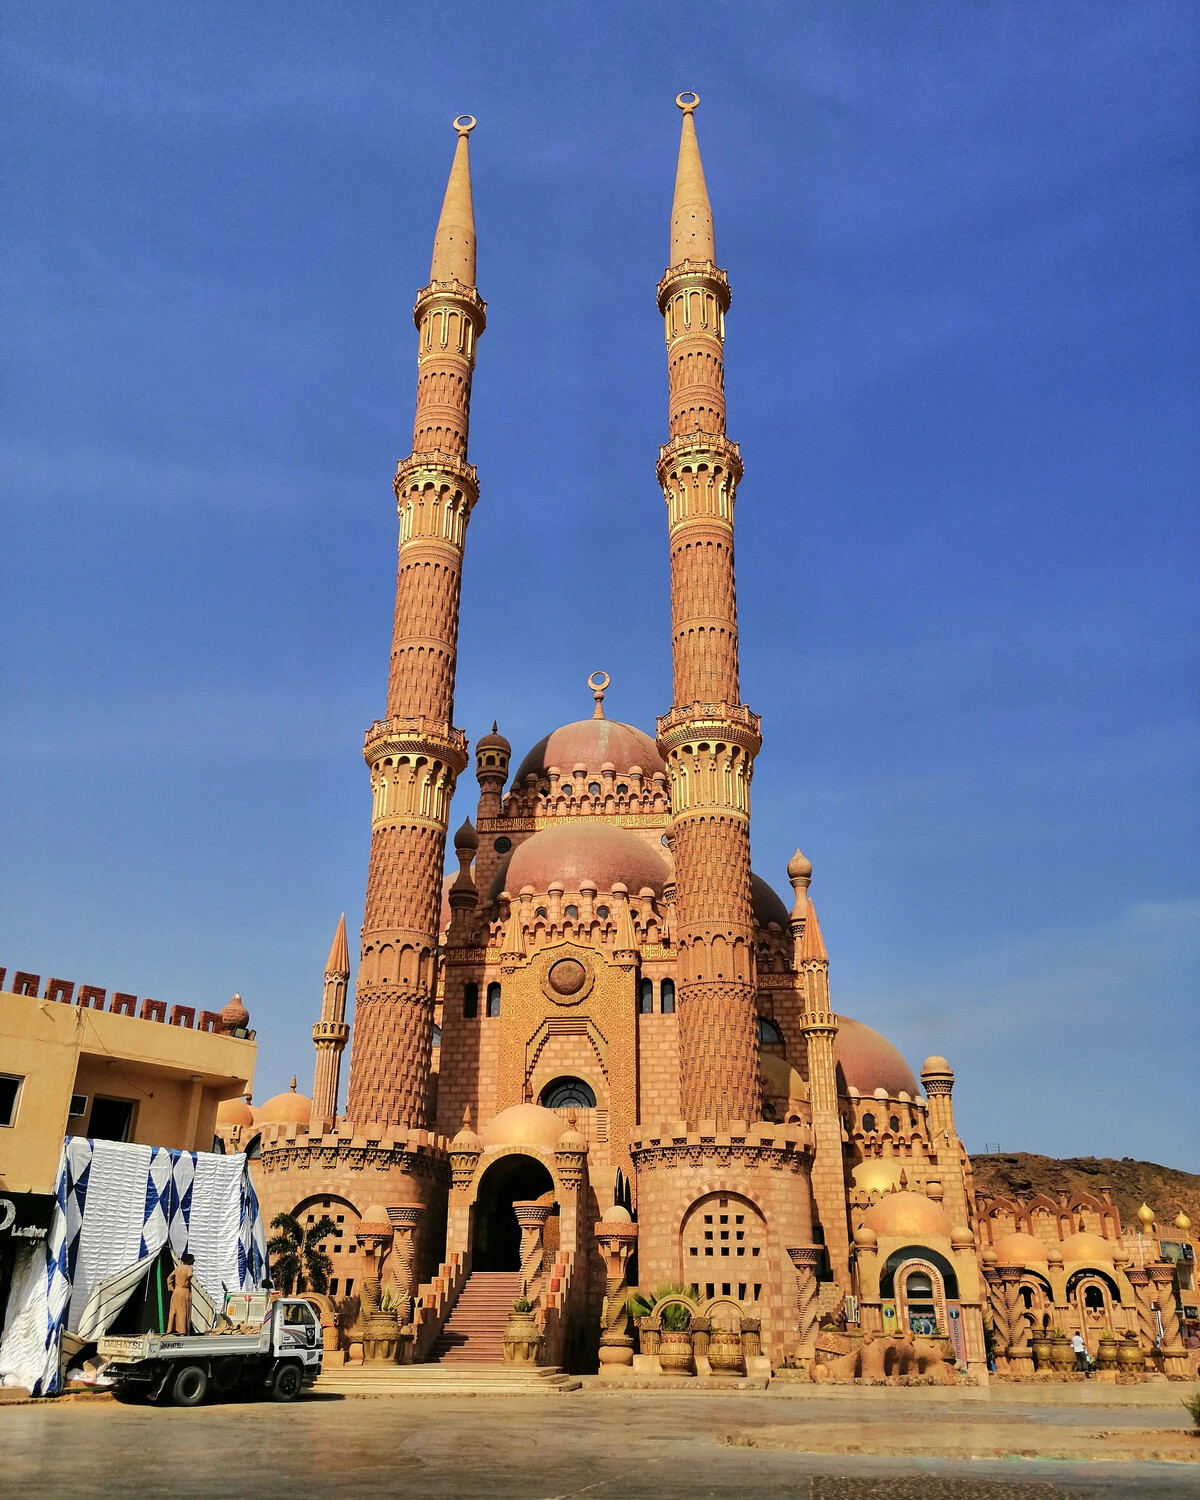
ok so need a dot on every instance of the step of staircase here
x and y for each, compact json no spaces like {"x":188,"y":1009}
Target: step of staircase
{"x":382,"y":1379}
{"x":474,"y":1332}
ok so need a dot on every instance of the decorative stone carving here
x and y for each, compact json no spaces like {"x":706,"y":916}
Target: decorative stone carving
{"x":616,"y":1236}
{"x":806,"y":1259}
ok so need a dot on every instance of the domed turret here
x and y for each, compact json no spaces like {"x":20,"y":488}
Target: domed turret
{"x":285,"y":1109}
{"x":523,"y":1125}
{"x":574,"y":852}
{"x":868,"y":1061}
{"x":235,"y":1112}
{"x":235,"y":1016}
{"x":590,"y":743}
{"x":908,"y":1214}
{"x":1083,"y":1246}
{"x":1020,"y":1250}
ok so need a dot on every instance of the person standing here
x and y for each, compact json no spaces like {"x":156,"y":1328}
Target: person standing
{"x":179,"y":1284}
{"x":1082,"y":1362}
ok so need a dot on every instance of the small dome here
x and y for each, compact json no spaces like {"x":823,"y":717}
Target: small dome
{"x":592,"y":742}
{"x":937,"y":1066}
{"x":1084,"y":1246}
{"x":617,"y":1214}
{"x":768,"y":907}
{"x":466,"y":837}
{"x":878,"y":1174}
{"x":1145,"y":1216}
{"x":374,"y":1220}
{"x":961,"y":1237}
{"x":869,"y":1061}
{"x":234,"y":1014}
{"x":864,"y":1238}
{"x":466,"y":1139}
{"x":1182,"y":1221}
{"x":570,"y":1140}
{"x":1020,"y":1250}
{"x":799,"y":868}
{"x":285,"y":1109}
{"x":575,"y":852}
{"x":909,"y":1214}
{"x":523,"y":1125}
{"x":493,"y":741}
{"x":234,"y":1112}
{"x":780,"y":1078}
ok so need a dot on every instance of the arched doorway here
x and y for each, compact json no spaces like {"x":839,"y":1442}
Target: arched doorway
{"x":496,"y":1243}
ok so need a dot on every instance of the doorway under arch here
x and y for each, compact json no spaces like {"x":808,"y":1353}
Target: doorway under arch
{"x":513,"y":1179}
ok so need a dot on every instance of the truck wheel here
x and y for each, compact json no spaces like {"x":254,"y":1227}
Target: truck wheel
{"x":287,"y":1383}
{"x":190,"y":1386}
{"x":225,"y":1373}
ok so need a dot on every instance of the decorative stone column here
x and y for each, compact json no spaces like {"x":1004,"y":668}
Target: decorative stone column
{"x":374,"y":1235}
{"x":1139,"y":1278}
{"x":806,"y":1259}
{"x":616,"y":1236}
{"x":404,"y":1218}
{"x":1020,"y":1359}
{"x":531,"y":1216}
{"x":1162,"y":1277}
{"x":999,"y":1311}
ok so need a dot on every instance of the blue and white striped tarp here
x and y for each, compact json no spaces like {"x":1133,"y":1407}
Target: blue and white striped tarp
{"x":116,"y":1205}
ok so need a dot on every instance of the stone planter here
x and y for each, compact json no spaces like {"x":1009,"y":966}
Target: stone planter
{"x":521,"y":1339}
{"x":1062,"y":1357}
{"x":675,"y":1353}
{"x":1130,"y":1360}
{"x":700,"y":1330}
{"x":1040,"y":1348}
{"x":725,"y":1352}
{"x":617,"y":1352}
{"x":1106,"y":1354}
{"x":751,"y":1338}
{"x":648,"y":1334}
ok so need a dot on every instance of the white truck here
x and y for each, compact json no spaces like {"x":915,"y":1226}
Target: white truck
{"x":281,"y":1359}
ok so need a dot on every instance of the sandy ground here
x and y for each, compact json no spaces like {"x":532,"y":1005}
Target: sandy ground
{"x":601,"y":1445}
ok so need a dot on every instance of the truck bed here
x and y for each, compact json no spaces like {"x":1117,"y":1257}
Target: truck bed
{"x":174,"y":1346}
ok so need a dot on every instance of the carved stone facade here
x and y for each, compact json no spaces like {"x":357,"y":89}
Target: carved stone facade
{"x":642,"y":1033}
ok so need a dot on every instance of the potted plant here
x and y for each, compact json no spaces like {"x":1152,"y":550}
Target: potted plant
{"x":1130,"y":1360}
{"x":1106,"y":1352}
{"x":664,"y":1321}
{"x":1040,"y":1348}
{"x":1062,"y":1356}
{"x":521,"y":1336}
{"x":675,"y":1341}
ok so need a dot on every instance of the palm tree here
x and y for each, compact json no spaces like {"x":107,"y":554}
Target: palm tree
{"x":297,"y":1260}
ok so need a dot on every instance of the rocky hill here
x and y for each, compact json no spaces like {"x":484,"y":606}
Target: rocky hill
{"x":1130,"y":1183}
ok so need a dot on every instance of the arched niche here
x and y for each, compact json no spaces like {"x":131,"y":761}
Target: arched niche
{"x":514,"y":1177}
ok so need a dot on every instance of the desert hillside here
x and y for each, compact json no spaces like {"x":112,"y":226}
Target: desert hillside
{"x":1131,"y":1183}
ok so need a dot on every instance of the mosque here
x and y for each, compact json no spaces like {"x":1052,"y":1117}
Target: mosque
{"x":604,"y":1053}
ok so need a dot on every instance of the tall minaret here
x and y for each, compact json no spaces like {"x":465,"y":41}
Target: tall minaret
{"x":331,"y":1032}
{"x":416,"y":754}
{"x":709,"y":739}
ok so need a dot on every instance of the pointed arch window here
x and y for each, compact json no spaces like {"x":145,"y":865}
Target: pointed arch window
{"x":666,"y":997}
{"x":493,"y":999}
{"x":470,"y":1000}
{"x":646,"y":997}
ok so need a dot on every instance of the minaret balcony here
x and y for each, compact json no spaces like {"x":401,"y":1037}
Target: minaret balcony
{"x":694,"y":275}
{"x":416,"y":736}
{"x":726,"y":722}
{"x":440,"y":293}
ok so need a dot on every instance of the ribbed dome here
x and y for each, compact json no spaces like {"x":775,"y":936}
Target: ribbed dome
{"x":907,"y":1214}
{"x":523,"y":1125}
{"x":582,"y":851}
{"x":869,"y":1061}
{"x":1020,"y":1250}
{"x":592,"y":742}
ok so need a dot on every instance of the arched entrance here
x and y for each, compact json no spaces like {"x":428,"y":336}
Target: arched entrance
{"x":496,"y":1244}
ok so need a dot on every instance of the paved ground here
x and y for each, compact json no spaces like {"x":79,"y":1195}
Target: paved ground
{"x":593,"y":1445}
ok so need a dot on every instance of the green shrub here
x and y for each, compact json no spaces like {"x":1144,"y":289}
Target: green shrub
{"x":1192,"y":1406}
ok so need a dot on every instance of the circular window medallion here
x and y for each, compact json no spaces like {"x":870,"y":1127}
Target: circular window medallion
{"x":502,"y":845}
{"x":567,"y":976}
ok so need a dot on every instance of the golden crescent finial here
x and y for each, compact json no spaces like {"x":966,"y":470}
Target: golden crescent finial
{"x":688,"y":100}
{"x":598,"y":692}
{"x":464,"y":124}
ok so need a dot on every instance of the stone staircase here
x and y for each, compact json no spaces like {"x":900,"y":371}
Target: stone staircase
{"x":474,"y":1331}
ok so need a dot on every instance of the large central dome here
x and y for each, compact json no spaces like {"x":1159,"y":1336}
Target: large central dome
{"x":582,"y":851}
{"x":592,"y":743}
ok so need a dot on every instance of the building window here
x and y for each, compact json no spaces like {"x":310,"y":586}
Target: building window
{"x":593,"y":788}
{"x":768,"y":1031}
{"x":666,"y":997}
{"x":622,"y":790}
{"x":502,"y":845}
{"x":646,"y":997}
{"x":111,"y":1119}
{"x":218,"y":1146}
{"x":78,"y":1106}
{"x":894,"y":1122}
{"x":254,"y":1148}
{"x":470,"y":1001}
{"x":572,"y":912}
{"x":437,"y":1035}
{"x":493,"y":999}
{"x":602,"y":913}
{"x":10,"y":1091}
{"x":568,"y":1093}
{"x":868,"y":1122}
{"x":541,"y":912}
{"x":567,"y":789}
{"x":919,"y":1302}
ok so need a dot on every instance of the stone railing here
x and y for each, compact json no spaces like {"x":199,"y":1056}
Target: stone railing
{"x":552,"y":1312}
{"x":709,"y":713}
{"x":415,"y":729}
{"x":93,"y":997}
{"x":435,"y":1302}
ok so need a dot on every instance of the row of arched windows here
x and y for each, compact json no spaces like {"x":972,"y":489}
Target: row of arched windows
{"x":471,"y":1000}
{"x":666,"y":997}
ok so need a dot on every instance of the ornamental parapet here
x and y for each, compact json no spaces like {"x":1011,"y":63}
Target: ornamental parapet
{"x":337,"y":1032}
{"x":418,"y":1153}
{"x":439,"y":292}
{"x":731,"y":723}
{"x":813,"y":1021}
{"x":438,"y":465}
{"x":692,"y":449}
{"x":689,"y":275}
{"x":416,"y":736}
{"x":677,"y":1143}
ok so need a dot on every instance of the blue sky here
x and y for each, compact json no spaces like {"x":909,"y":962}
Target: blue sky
{"x":962,"y":367}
